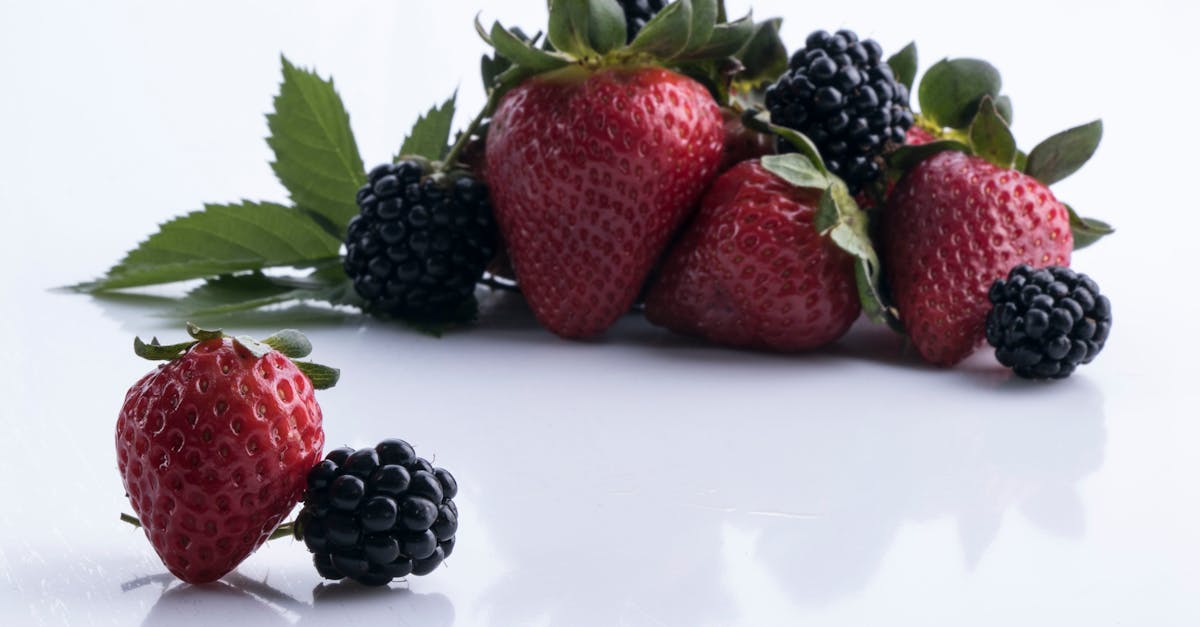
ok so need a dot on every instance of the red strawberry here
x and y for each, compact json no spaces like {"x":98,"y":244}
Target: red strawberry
{"x":954,"y":224}
{"x":591,"y":172}
{"x":917,"y":136}
{"x":214,"y":447}
{"x":751,"y":269}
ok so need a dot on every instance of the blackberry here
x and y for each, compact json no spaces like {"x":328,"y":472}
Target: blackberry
{"x":420,"y":242}
{"x":638,"y":12}
{"x":377,"y":514}
{"x":1045,"y":323}
{"x":840,"y":92}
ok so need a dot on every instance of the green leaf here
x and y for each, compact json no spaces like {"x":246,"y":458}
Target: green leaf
{"x":906,"y":157}
{"x":430,"y":136}
{"x":704,"y":20}
{"x":290,"y":342}
{"x":764,"y":57}
{"x":1005,"y":108}
{"x":951,"y":90}
{"x":1063,"y":154}
{"x":222,"y":239}
{"x":726,"y":40}
{"x":990,"y":137}
{"x":796,"y":169}
{"x":157,"y":352}
{"x":904,"y":65}
{"x":316,"y":157}
{"x":256,"y":348}
{"x":229,"y":294}
{"x":667,"y":33}
{"x":322,"y":377}
{"x":841,"y":220}
{"x":525,"y":53}
{"x":1087,"y":231}
{"x":569,"y":29}
{"x":802,"y":143}
{"x":606,"y":25}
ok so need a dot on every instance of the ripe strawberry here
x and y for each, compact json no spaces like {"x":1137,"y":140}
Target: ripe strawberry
{"x":917,"y":136}
{"x":591,"y":173}
{"x":752,"y":270}
{"x":214,"y":447}
{"x":954,"y":224}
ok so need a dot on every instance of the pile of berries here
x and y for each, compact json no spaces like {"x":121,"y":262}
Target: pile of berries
{"x":378,"y":514}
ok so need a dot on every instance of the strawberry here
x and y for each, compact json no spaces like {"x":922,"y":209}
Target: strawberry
{"x":214,"y":446}
{"x":953,"y":225}
{"x":970,"y":208}
{"x":752,"y":270}
{"x":597,"y":152}
{"x":591,"y":174}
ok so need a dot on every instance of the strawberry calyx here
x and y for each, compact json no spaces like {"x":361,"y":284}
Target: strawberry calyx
{"x":289,"y":342}
{"x":962,"y":105}
{"x":839,"y":217}
{"x":690,"y":36}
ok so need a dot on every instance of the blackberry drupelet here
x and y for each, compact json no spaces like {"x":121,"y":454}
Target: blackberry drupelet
{"x":1045,"y":323}
{"x":377,"y":514}
{"x":638,"y":12}
{"x":840,"y":92}
{"x":420,"y":242}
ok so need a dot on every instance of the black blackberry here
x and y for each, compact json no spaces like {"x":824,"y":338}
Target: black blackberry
{"x":1045,"y":323}
{"x":420,"y":242}
{"x":638,"y":12}
{"x":840,"y":92}
{"x":377,"y":514}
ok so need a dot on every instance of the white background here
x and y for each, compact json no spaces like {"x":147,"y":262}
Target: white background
{"x":643,"y":479}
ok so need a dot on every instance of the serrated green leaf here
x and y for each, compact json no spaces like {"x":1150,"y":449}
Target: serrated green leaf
{"x":951,"y":90}
{"x":796,"y":169}
{"x":906,"y":157}
{"x":245,"y":292}
{"x":1064,"y":153}
{"x":569,"y":29}
{"x":726,"y":40}
{"x":990,"y":137}
{"x":430,"y":136}
{"x":222,"y":239}
{"x":667,"y":33}
{"x":904,"y":65}
{"x":316,"y":157}
{"x":1087,"y":231}
{"x":764,"y":57}
{"x":524,"y":53}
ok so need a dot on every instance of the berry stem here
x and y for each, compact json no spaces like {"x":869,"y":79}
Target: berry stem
{"x":131,"y":520}
{"x":465,"y":138}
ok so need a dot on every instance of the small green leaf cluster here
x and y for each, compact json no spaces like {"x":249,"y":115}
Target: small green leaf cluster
{"x":291,"y":343}
{"x":838,"y":217}
{"x":691,"y":36}
{"x":961,"y":103}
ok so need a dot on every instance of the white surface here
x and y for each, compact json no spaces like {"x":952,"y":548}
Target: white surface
{"x":644,"y":479}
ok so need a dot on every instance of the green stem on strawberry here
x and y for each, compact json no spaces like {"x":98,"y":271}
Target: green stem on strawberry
{"x":290,"y":342}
